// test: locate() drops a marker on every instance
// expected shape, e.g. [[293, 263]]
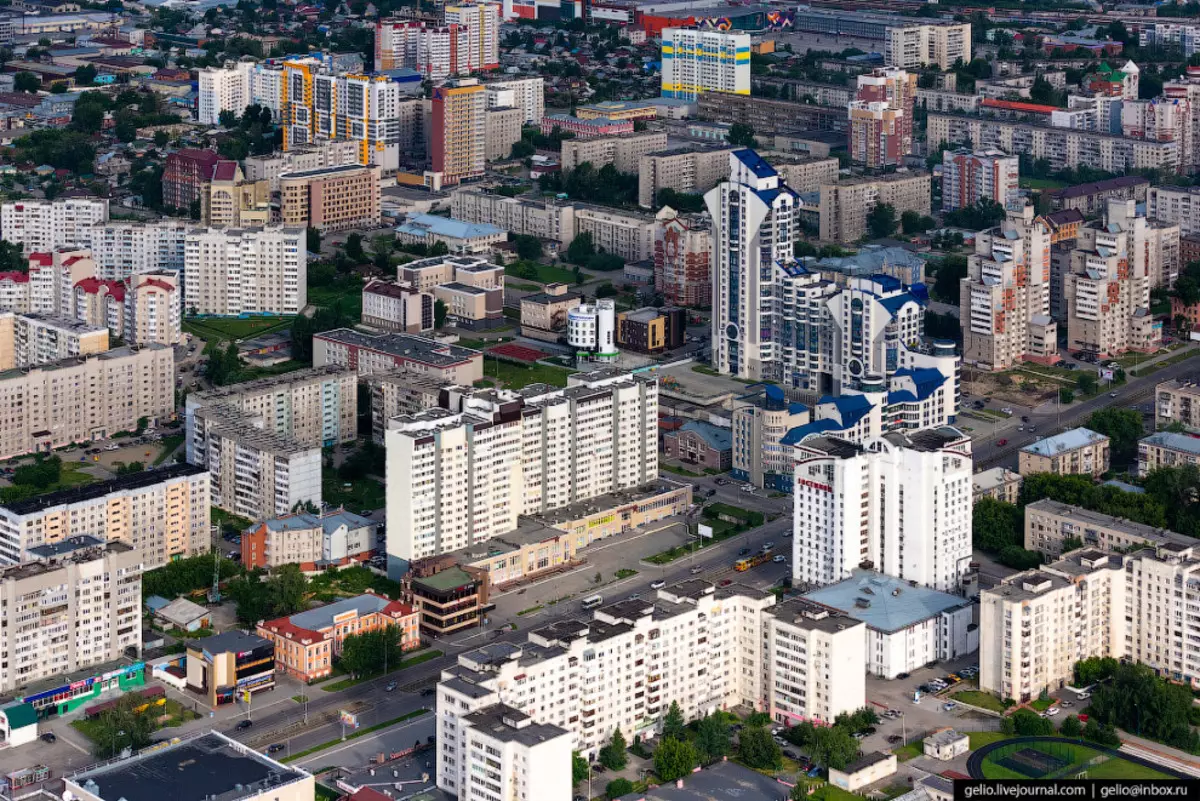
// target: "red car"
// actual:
[[1001, 442], [724, 582]]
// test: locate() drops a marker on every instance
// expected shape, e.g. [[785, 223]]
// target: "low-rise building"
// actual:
[[457, 235], [1167, 449], [864, 771], [625, 234], [702, 444], [448, 600], [1078, 451], [1053, 528], [544, 314], [307, 643], [393, 306], [652, 330], [1092, 198], [368, 355], [1177, 401], [314, 542], [946, 744], [224, 666], [585, 128], [998, 483]]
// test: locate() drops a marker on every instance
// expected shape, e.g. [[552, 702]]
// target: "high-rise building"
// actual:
[[909, 45], [753, 218], [43, 226], [521, 453], [459, 126], [435, 51], [881, 117], [239, 271], [901, 502], [969, 177], [682, 170], [301, 158], [69, 606], [331, 199], [52, 276], [122, 249], [482, 22], [522, 760], [696, 60], [163, 514], [1005, 304], [28, 340], [525, 92], [845, 205], [682, 248], [223, 89]]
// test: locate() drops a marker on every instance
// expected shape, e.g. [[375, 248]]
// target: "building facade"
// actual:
[[881, 117], [696, 61], [1078, 451], [682, 250], [368, 355], [459, 127], [971, 176], [314, 542], [43, 226], [331, 198], [1177, 401], [844, 206], [245, 271]]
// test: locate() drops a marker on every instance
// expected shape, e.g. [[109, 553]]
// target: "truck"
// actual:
[[742, 565]]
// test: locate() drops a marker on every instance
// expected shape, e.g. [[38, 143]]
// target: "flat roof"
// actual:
[[210, 766], [510, 724], [271, 382], [884, 603], [323, 171], [415, 348], [867, 760], [229, 641], [134, 481], [1087, 516], [723, 780]]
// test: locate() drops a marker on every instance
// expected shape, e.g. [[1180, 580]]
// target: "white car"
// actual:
[[779, 558], [787, 532], [747, 488], [112, 447], [1052, 711], [657, 585]]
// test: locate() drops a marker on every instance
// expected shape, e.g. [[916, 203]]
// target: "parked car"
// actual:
[[275, 748], [242, 725], [1024, 418], [950, 705], [870, 730], [790, 754], [779, 558], [49, 737], [657, 584], [427, 692], [724, 582], [697, 569], [390, 687], [747, 488], [902, 676], [1084, 696], [1052, 711], [1065, 703], [768, 546], [1001, 442]]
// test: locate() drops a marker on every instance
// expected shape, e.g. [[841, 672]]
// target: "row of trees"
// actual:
[[1140, 702], [606, 186], [187, 575], [583, 251]]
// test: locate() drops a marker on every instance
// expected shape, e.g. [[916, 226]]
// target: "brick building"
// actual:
[[185, 175]]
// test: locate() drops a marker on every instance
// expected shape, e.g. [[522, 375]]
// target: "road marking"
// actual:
[[360, 740]]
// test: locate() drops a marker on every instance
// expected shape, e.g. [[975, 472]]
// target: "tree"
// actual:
[[124, 469], [579, 768], [606, 291], [618, 787], [758, 750], [439, 248], [354, 248], [161, 139], [1066, 395], [313, 240], [741, 135], [85, 75], [121, 727], [800, 788], [439, 313], [681, 201], [528, 247], [581, 248], [1071, 727], [228, 118], [833, 747], [87, 117], [612, 755], [673, 723], [713, 737], [881, 220], [1123, 427], [947, 278], [1027, 723], [996, 525], [522, 149], [910, 222], [371, 651], [674, 759], [26, 82], [1086, 383]]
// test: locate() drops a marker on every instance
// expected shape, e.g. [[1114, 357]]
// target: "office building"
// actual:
[[162, 514], [1053, 528], [1177, 401], [652, 330], [844, 206], [307, 643], [701, 60], [29, 340], [386, 352], [522, 453], [223, 89], [1078, 451], [256, 472], [245, 271], [394, 306], [971, 176], [224, 668], [1005, 298], [907, 627], [997, 483], [682, 249], [185, 173], [85, 398], [43, 226], [315, 542], [316, 406], [684, 170], [331, 198], [901, 502], [69, 605], [449, 599], [908, 45], [206, 765], [549, 220], [1166, 449], [300, 158], [457, 149], [482, 23], [881, 117], [526, 92], [624, 152]]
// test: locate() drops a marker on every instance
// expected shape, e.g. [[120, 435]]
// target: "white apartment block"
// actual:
[[317, 406], [547, 220], [695, 61], [969, 177], [163, 514], [914, 46], [625, 234], [499, 752], [461, 475], [87, 398], [122, 249], [223, 89], [1005, 305], [46, 225], [527, 93], [51, 279], [436, 51], [35, 339], [901, 502], [1163, 34], [1175, 204], [140, 309], [693, 644], [482, 23], [255, 472], [253, 270], [75, 604], [301, 158]]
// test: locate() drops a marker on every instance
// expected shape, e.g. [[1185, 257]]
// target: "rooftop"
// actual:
[[323, 617], [322, 172], [271, 382], [995, 477], [1108, 185], [1066, 441], [1086, 517], [809, 615], [436, 225], [227, 641], [883, 602], [867, 760], [211, 766], [1174, 441], [717, 438], [723, 780], [449, 579], [412, 348], [231, 423], [508, 724], [100, 489]]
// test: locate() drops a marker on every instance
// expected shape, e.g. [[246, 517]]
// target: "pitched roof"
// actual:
[[1066, 441], [717, 438], [884, 603]]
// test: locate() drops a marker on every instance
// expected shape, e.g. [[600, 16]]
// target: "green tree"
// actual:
[[124, 469], [1066, 395], [439, 248], [1071, 727], [439, 313], [612, 755], [85, 75], [833, 747], [713, 737], [673, 723], [121, 727], [1027, 723], [528, 247], [354, 248], [881, 220], [579, 768], [1086, 383], [910, 222], [757, 750], [996, 525], [618, 787], [522, 149], [741, 135], [161, 139], [581, 248], [674, 759], [26, 82], [947, 278], [313, 240], [1123, 427], [371, 652], [87, 117], [799, 790]]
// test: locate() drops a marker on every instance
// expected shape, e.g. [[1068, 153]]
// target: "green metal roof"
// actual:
[[19, 714]]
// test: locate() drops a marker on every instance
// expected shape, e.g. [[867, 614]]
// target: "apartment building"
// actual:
[[301, 158], [761, 420], [436, 51], [912, 46], [703, 60], [846, 204], [256, 473], [315, 542], [1177, 401], [223, 89], [683, 170], [624, 152], [682, 250], [768, 116], [998, 483], [971, 176], [1078, 451], [69, 606], [548, 220], [245, 271], [1166, 449], [524, 453], [814, 660], [331, 198], [1092, 198], [1006, 294], [43, 226], [317, 406], [504, 754], [626, 234], [901, 502], [458, 129], [29, 340], [140, 309], [393, 306], [185, 173], [383, 353], [1036, 625], [85, 398], [881, 117], [482, 23], [51, 278], [526, 92], [122, 249], [307, 643], [162, 514], [1062, 147], [807, 174], [502, 129], [228, 200], [1053, 528]]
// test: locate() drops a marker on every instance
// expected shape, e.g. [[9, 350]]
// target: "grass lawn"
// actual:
[[1040, 183], [625, 573], [907, 752], [980, 699], [830, 793], [226, 328], [323, 793], [1042, 704], [704, 369], [71, 476], [480, 344], [229, 521], [365, 493], [515, 376], [247, 373], [348, 294], [169, 444], [517, 285], [679, 471], [1123, 769], [299, 699], [1178, 357], [546, 273], [981, 738]]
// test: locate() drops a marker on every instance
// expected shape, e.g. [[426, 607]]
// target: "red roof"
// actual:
[[208, 158], [18, 277], [521, 353], [71, 260], [397, 608], [284, 628], [156, 282], [1014, 105], [368, 794], [93, 285], [42, 259], [225, 171]]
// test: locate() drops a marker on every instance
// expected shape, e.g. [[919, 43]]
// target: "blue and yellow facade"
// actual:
[[696, 60]]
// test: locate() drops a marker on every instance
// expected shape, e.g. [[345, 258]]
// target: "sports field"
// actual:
[[1060, 760]]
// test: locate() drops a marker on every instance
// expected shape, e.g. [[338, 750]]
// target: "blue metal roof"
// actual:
[[849, 409], [1174, 441], [755, 163], [1066, 441], [717, 438], [422, 224], [925, 380], [884, 603], [322, 617]]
